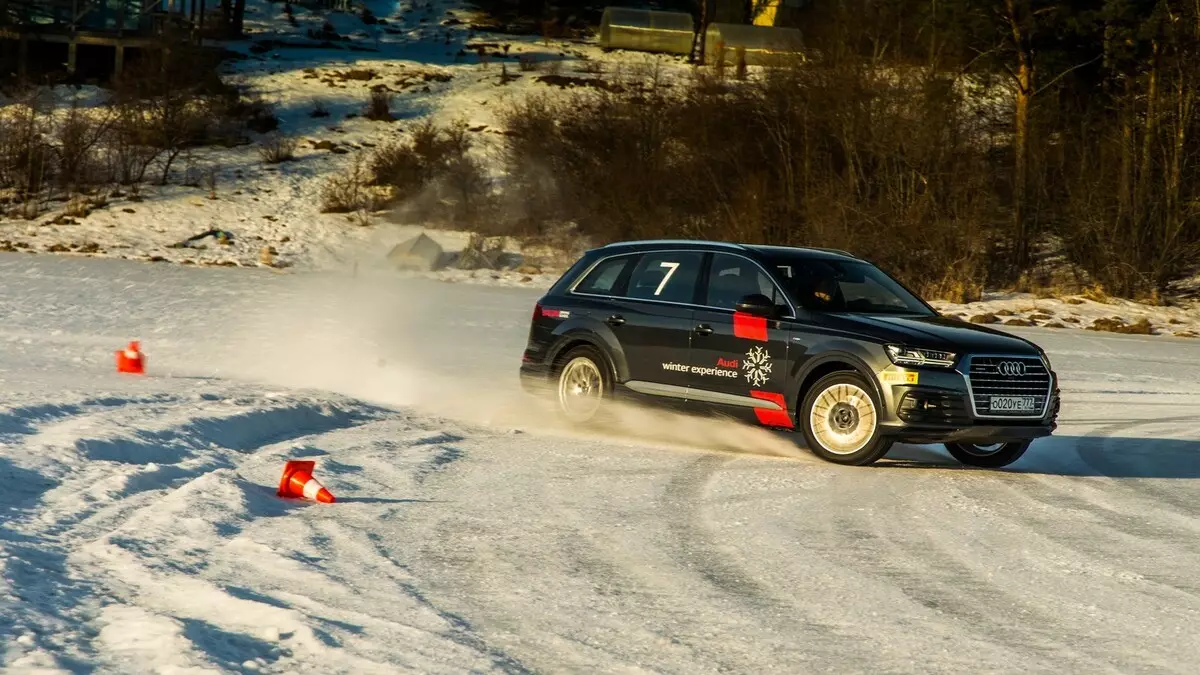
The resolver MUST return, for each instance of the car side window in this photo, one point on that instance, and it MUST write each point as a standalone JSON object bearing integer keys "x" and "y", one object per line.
{"x": 731, "y": 278}
{"x": 669, "y": 276}
{"x": 602, "y": 280}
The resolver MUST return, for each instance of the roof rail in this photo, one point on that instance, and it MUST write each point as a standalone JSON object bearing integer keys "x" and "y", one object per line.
{"x": 835, "y": 250}
{"x": 707, "y": 242}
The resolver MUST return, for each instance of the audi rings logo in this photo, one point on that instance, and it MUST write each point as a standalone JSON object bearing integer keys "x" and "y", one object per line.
{"x": 1011, "y": 368}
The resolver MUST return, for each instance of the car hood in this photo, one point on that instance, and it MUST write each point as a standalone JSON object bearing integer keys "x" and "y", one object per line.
{"x": 935, "y": 332}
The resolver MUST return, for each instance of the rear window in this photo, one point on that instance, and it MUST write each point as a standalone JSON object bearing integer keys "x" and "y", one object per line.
{"x": 603, "y": 278}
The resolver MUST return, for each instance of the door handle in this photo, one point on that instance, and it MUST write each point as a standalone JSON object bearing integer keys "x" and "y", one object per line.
{"x": 704, "y": 329}
{"x": 615, "y": 320}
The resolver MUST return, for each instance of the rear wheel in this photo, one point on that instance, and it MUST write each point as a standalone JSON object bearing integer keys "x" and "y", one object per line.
{"x": 584, "y": 385}
{"x": 988, "y": 456}
{"x": 840, "y": 420}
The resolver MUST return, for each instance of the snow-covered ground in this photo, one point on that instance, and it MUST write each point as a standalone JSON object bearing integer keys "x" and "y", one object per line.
{"x": 139, "y": 531}
{"x": 1078, "y": 311}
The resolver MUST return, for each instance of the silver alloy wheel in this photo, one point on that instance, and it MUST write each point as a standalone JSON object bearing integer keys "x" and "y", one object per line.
{"x": 980, "y": 450}
{"x": 580, "y": 388}
{"x": 843, "y": 419}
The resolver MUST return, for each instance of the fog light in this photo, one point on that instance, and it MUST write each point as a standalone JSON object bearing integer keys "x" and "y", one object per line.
{"x": 915, "y": 404}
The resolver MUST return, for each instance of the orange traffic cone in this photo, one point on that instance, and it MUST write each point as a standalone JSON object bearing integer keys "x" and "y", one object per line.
{"x": 131, "y": 359}
{"x": 298, "y": 482}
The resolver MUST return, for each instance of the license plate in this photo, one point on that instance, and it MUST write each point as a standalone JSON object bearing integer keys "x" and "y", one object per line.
{"x": 1011, "y": 404}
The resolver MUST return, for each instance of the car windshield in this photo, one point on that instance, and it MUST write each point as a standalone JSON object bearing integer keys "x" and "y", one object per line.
{"x": 832, "y": 285}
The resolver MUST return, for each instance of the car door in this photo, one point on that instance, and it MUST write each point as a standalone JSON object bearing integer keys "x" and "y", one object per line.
{"x": 740, "y": 361}
{"x": 653, "y": 321}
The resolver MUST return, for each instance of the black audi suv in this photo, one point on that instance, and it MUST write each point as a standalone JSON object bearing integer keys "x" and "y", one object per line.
{"x": 792, "y": 338}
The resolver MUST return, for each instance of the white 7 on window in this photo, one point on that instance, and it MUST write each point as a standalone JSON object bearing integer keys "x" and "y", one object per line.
{"x": 671, "y": 267}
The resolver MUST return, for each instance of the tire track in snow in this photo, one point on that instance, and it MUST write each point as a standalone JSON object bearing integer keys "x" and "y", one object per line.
{"x": 1092, "y": 449}
{"x": 919, "y": 565}
{"x": 620, "y": 579}
{"x": 692, "y": 547}
{"x": 1110, "y": 531}
{"x": 90, "y": 484}
{"x": 462, "y": 631}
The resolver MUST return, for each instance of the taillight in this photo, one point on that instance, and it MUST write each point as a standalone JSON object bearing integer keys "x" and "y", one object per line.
{"x": 537, "y": 311}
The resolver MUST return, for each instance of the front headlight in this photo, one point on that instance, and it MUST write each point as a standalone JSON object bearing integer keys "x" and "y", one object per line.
{"x": 911, "y": 356}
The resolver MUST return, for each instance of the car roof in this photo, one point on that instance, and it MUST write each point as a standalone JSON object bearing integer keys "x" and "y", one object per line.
{"x": 704, "y": 245}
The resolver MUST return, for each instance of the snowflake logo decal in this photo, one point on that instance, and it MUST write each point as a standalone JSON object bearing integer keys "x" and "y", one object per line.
{"x": 757, "y": 365}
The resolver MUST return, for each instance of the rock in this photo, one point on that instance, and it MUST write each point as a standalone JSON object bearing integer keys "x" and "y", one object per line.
{"x": 1117, "y": 325}
{"x": 1073, "y": 301}
{"x": 1071, "y": 319}
{"x": 529, "y": 269}
{"x": 1186, "y": 334}
{"x": 1175, "y": 322}
{"x": 57, "y": 248}
{"x": 1041, "y": 316}
{"x": 127, "y": 210}
{"x": 983, "y": 318}
{"x": 1005, "y": 312}
{"x": 1019, "y": 322}
{"x": 324, "y": 145}
{"x": 418, "y": 253}
{"x": 1053, "y": 324}
{"x": 526, "y": 280}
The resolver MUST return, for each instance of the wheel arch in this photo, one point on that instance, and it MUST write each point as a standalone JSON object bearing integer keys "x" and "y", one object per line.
{"x": 832, "y": 363}
{"x": 570, "y": 341}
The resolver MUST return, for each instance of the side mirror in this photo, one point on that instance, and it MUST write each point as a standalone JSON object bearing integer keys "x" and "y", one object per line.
{"x": 758, "y": 305}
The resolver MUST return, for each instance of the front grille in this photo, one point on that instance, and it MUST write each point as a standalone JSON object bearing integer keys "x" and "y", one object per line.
{"x": 1022, "y": 376}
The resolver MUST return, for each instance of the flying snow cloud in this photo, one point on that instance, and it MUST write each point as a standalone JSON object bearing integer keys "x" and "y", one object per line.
{"x": 445, "y": 349}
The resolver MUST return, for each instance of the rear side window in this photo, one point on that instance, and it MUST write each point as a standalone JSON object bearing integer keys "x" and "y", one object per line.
{"x": 603, "y": 278}
{"x": 669, "y": 276}
{"x": 731, "y": 278}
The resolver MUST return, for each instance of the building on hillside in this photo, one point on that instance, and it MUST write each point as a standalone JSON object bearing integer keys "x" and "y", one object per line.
{"x": 54, "y": 26}
{"x": 647, "y": 30}
{"x": 758, "y": 45}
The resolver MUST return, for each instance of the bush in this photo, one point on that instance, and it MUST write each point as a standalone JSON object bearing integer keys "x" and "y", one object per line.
{"x": 379, "y": 106}
{"x": 277, "y": 149}
{"x": 345, "y": 192}
{"x": 806, "y": 156}
{"x": 433, "y": 173}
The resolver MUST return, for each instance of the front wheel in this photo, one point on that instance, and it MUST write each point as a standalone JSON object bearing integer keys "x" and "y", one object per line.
{"x": 840, "y": 420}
{"x": 987, "y": 456}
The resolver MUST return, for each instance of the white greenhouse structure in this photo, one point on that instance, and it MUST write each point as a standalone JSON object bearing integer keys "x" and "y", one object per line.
{"x": 762, "y": 45}
{"x": 647, "y": 30}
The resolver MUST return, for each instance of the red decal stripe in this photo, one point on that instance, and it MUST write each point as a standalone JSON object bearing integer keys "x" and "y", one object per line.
{"x": 773, "y": 418}
{"x": 749, "y": 326}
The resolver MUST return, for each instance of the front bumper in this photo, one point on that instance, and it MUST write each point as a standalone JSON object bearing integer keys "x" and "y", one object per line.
{"x": 943, "y": 414}
{"x": 981, "y": 434}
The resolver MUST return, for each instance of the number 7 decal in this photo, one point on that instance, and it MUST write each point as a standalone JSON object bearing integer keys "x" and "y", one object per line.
{"x": 671, "y": 267}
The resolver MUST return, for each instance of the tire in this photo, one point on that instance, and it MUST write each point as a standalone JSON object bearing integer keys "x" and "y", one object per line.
{"x": 832, "y": 418}
{"x": 987, "y": 456}
{"x": 583, "y": 385}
